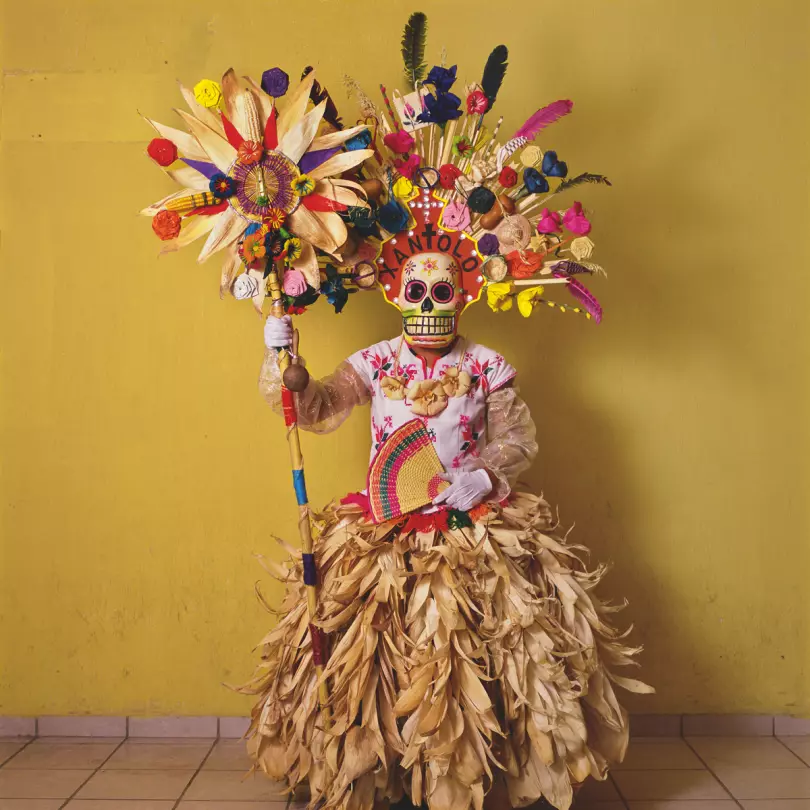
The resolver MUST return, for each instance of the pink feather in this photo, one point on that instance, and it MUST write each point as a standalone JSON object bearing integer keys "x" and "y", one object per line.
{"x": 543, "y": 117}
{"x": 583, "y": 295}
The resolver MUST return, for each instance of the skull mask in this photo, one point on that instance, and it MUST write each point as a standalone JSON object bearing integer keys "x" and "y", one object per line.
{"x": 430, "y": 300}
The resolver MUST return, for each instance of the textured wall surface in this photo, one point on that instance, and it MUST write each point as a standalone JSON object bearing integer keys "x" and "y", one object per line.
{"x": 141, "y": 471}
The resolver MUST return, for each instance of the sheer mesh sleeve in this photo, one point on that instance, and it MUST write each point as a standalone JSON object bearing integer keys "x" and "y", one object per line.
{"x": 325, "y": 404}
{"x": 511, "y": 445}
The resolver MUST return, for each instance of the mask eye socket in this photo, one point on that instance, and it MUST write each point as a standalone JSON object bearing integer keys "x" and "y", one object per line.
{"x": 442, "y": 292}
{"x": 415, "y": 291}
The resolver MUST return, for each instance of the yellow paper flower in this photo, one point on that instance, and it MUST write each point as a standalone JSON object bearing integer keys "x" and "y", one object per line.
{"x": 528, "y": 300}
{"x": 405, "y": 190}
{"x": 392, "y": 387}
{"x": 456, "y": 383}
{"x": 208, "y": 93}
{"x": 303, "y": 185}
{"x": 499, "y": 296}
{"x": 427, "y": 397}
{"x": 293, "y": 248}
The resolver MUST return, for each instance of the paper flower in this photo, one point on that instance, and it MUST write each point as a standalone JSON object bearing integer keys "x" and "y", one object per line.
{"x": 274, "y": 244}
{"x": 462, "y": 147}
{"x": 549, "y": 221}
{"x": 393, "y": 387}
{"x": 442, "y": 78}
{"x": 528, "y": 299}
{"x": 481, "y": 200}
{"x": 162, "y": 151}
{"x": 303, "y": 185}
{"x": 245, "y": 287}
{"x": 477, "y": 103}
{"x": 553, "y": 167}
{"x": 440, "y": 109}
{"x": 250, "y": 152}
{"x": 360, "y": 141}
{"x": 575, "y": 220}
{"x": 581, "y": 248}
{"x": 294, "y": 283}
{"x": 275, "y": 218}
{"x": 207, "y": 93}
{"x": 508, "y": 177}
{"x": 427, "y": 397}
{"x": 488, "y": 245}
{"x": 275, "y": 82}
{"x": 404, "y": 190}
{"x": 400, "y": 141}
{"x": 407, "y": 168}
{"x": 293, "y": 249}
{"x": 456, "y": 216}
{"x": 166, "y": 224}
{"x": 221, "y": 185}
{"x": 392, "y": 216}
{"x": 534, "y": 182}
{"x": 499, "y": 296}
{"x": 455, "y": 383}
{"x": 531, "y": 155}
{"x": 448, "y": 174}
{"x": 525, "y": 264}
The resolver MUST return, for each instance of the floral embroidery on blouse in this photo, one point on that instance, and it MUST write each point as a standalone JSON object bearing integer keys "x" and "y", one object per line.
{"x": 381, "y": 432}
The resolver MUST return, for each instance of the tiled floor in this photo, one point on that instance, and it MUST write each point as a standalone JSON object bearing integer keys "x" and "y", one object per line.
{"x": 660, "y": 773}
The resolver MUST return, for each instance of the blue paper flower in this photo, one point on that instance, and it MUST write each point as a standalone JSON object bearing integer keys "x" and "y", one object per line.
{"x": 441, "y": 78}
{"x": 360, "y": 141}
{"x": 534, "y": 181}
{"x": 336, "y": 294}
{"x": 553, "y": 167}
{"x": 440, "y": 109}
{"x": 393, "y": 217}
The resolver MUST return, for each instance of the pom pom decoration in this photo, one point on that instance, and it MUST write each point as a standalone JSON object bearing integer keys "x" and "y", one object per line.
{"x": 166, "y": 224}
{"x": 222, "y": 185}
{"x": 162, "y": 151}
{"x": 481, "y": 199}
{"x": 250, "y": 152}
{"x": 508, "y": 177}
{"x": 448, "y": 175}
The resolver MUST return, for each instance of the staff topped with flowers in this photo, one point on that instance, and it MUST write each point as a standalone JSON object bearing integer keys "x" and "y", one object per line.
{"x": 275, "y": 179}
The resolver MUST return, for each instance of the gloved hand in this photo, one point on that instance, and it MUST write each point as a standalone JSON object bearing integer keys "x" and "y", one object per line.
{"x": 467, "y": 489}
{"x": 278, "y": 332}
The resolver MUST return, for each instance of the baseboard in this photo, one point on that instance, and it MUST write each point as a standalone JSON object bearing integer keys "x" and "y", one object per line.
{"x": 641, "y": 725}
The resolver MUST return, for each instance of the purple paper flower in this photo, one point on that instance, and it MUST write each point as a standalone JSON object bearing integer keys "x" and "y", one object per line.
{"x": 275, "y": 82}
{"x": 488, "y": 245}
{"x": 441, "y": 78}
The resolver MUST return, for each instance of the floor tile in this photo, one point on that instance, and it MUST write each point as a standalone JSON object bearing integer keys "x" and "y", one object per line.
{"x": 594, "y": 791}
{"x": 765, "y": 783}
{"x": 228, "y": 755}
{"x": 799, "y": 745}
{"x": 744, "y": 752}
{"x": 655, "y": 725}
{"x": 82, "y": 726}
{"x": 727, "y": 725}
{"x": 668, "y": 785}
{"x": 195, "y": 805}
{"x": 30, "y": 804}
{"x": 118, "y": 804}
{"x": 776, "y": 804}
{"x": 234, "y": 786}
{"x": 18, "y": 726}
{"x": 80, "y": 740}
{"x": 158, "y": 756}
{"x": 580, "y": 805}
{"x": 135, "y": 784}
{"x": 788, "y": 726}
{"x": 171, "y": 740}
{"x": 40, "y": 784}
{"x": 233, "y": 727}
{"x": 700, "y": 804}
{"x": 659, "y": 753}
{"x": 62, "y": 755}
{"x": 173, "y": 726}
{"x": 10, "y": 747}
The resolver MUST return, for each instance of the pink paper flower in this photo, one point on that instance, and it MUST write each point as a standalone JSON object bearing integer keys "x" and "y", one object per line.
{"x": 399, "y": 141}
{"x": 456, "y": 215}
{"x": 575, "y": 220}
{"x": 407, "y": 168}
{"x": 549, "y": 222}
{"x": 477, "y": 103}
{"x": 294, "y": 283}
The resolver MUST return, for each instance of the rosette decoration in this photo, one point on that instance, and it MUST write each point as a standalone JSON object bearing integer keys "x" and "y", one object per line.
{"x": 263, "y": 181}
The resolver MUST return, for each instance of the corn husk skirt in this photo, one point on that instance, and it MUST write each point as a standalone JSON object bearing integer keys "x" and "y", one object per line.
{"x": 459, "y": 659}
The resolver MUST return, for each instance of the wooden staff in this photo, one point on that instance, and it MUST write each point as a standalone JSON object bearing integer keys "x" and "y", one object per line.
{"x": 300, "y": 487}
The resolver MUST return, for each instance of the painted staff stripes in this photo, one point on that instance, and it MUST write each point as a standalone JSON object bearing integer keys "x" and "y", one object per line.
{"x": 300, "y": 487}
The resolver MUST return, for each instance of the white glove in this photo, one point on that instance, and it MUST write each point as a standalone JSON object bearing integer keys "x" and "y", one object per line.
{"x": 467, "y": 489}
{"x": 278, "y": 332}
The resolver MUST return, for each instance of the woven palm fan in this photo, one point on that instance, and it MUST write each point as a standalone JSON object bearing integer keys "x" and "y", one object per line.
{"x": 405, "y": 474}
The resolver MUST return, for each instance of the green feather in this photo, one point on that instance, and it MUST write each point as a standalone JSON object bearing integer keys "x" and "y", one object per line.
{"x": 413, "y": 47}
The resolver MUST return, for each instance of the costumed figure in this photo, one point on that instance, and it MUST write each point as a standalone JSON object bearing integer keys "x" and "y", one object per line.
{"x": 440, "y": 640}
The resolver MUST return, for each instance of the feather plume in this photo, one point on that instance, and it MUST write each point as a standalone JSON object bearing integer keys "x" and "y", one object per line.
{"x": 570, "y": 268}
{"x": 494, "y": 72}
{"x": 543, "y": 117}
{"x": 318, "y": 94}
{"x": 353, "y": 89}
{"x": 584, "y": 296}
{"x": 413, "y": 48}
{"x": 580, "y": 179}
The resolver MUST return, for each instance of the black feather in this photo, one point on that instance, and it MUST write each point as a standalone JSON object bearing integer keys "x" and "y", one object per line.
{"x": 318, "y": 94}
{"x": 580, "y": 179}
{"x": 413, "y": 47}
{"x": 494, "y": 71}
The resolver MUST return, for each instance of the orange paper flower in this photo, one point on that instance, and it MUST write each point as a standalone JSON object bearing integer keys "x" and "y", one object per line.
{"x": 166, "y": 224}
{"x": 524, "y": 266}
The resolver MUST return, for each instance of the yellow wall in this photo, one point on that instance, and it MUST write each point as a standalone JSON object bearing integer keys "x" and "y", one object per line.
{"x": 141, "y": 471}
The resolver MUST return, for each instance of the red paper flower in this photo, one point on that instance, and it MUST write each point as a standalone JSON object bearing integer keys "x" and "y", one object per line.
{"x": 166, "y": 224}
{"x": 524, "y": 266}
{"x": 399, "y": 141}
{"x": 477, "y": 103}
{"x": 508, "y": 177}
{"x": 448, "y": 174}
{"x": 162, "y": 151}
{"x": 250, "y": 152}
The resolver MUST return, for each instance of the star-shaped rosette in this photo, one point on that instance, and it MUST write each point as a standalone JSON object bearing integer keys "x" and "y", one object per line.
{"x": 248, "y": 165}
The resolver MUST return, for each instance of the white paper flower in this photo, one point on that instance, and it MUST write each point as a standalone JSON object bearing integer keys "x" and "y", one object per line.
{"x": 245, "y": 287}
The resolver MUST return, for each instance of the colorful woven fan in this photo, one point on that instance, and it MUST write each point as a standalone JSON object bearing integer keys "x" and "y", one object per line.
{"x": 405, "y": 474}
